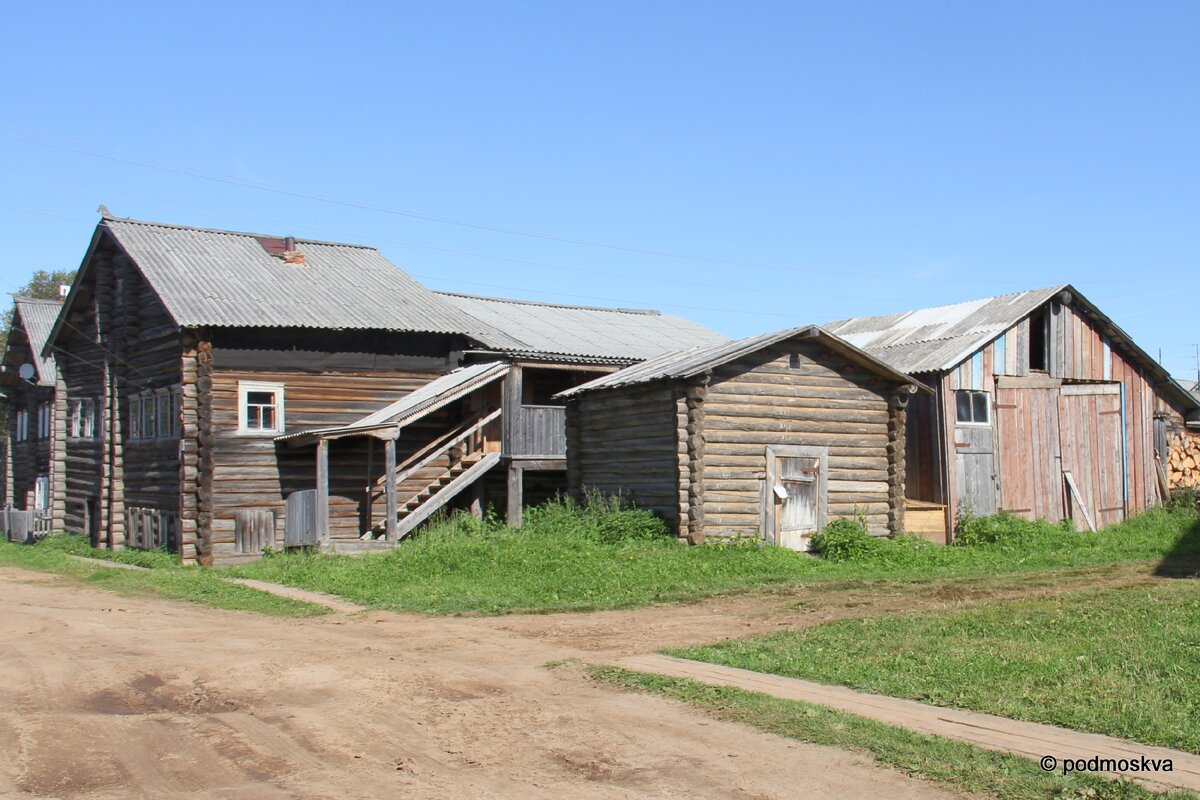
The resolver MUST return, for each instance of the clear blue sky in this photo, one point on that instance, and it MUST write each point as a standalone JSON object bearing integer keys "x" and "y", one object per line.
{"x": 751, "y": 165}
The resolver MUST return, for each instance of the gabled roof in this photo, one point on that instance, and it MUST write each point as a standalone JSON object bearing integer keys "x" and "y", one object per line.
{"x": 698, "y": 360}
{"x": 524, "y": 329}
{"x": 410, "y": 408}
{"x": 939, "y": 338}
{"x": 228, "y": 279}
{"x": 37, "y": 318}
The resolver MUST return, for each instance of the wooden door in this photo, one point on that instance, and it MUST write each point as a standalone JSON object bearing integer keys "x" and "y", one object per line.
{"x": 1090, "y": 442}
{"x": 975, "y": 467}
{"x": 796, "y": 497}
{"x": 1028, "y": 451}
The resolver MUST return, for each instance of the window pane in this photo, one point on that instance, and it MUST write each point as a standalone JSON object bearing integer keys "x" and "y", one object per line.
{"x": 963, "y": 400}
{"x": 268, "y": 418}
{"x": 260, "y": 398}
{"x": 979, "y": 401}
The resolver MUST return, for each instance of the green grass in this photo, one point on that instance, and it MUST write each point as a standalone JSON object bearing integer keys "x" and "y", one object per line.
{"x": 1121, "y": 662}
{"x": 167, "y": 580}
{"x": 955, "y": 765}
{"x": 563, "y": 560}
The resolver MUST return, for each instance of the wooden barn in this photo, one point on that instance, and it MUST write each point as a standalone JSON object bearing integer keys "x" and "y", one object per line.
{"x": 1043, "y": 407}
{"x": 771, "y": 436}
{"x": 204, "y": 351}
{"x": 33, "y": 480}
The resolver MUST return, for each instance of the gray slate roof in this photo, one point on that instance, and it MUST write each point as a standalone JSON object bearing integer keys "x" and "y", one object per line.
{"x": 37, "y": 317}
{"x": 226, "y": 278}
{"x": 522, "y": 328}
{"x": 939, "y": 338}
{"x": 698, "y": 360}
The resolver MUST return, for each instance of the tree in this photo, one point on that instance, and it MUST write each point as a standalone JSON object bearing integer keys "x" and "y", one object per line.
{"x": 42, "y": 286}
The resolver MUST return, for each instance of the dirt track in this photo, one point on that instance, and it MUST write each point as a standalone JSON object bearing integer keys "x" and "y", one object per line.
{"x": 106, "y": 696}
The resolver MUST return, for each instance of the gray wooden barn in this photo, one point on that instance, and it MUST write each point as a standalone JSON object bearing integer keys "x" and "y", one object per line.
{"x": 769, "y": 436}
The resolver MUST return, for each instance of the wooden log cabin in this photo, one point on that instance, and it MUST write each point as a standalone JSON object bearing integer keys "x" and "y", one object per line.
{"x": 771, "y": 437}
{"x": 37, "y": 421}
{"x": 1043, "y": 407}
{"x": 206, "y": 352}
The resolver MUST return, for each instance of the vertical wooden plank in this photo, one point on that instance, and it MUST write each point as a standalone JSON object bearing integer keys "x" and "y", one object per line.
{"x": 1000, "y": 354}
{"x": 322, "y": 509}
{"x": 516, "y": 495}
{"x": 389, "y": 466}
{"x": 510, "y": 404}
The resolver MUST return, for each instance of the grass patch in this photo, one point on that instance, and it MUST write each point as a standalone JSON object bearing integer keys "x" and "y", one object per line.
{"x": 1119, "y": 661}
{"x": 956, "y": 765}
{"x": 567, "y": 558}
{"x": 168, "y": 580}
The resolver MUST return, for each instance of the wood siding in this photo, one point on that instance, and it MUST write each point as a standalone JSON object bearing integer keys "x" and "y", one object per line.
{"x": 825, "y": 401}
{"x": 1078, "y": 353}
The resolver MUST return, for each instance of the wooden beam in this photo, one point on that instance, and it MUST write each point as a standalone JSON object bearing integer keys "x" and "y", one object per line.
{"x": 389, "y": 458}
{"x": 322, "y": 510}
{"x": 516, "y": 495}
{"x": 511, "y": 407}
{"x": 539, "y": 463}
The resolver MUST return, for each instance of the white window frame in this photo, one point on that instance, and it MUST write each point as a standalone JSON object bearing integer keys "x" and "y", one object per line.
{"x": 22, "y": 425}
{"x": 43, "y": 421}
{"x": 973, "y": 423}
{"x": 87, "y": 417}
{"x": 244, "y": 389}
{"x": 41, "y": 492}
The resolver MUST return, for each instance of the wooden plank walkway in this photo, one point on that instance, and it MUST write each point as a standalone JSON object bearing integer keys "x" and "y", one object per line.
{"x": 292, "y": 593}
{"x": 101, "y": 562}
{"x": 1030, "y": 739}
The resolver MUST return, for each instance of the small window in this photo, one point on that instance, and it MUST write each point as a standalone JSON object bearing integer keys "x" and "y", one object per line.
{"x": 1039, "y": 328}
{"x": 22, "y": 425}
{"x": 972, "y": 408}
{"x": 41, "y": 492}
{"x": 135, "y": 416}
{"x": 81, "y": 421}
{"x": 149, "y": 416}
{"x": 794, "y": 361}
{"x": 43, "y": 422}
{"x": 260, "y": 407}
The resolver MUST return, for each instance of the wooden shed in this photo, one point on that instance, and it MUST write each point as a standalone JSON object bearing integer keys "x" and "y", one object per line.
{"x": 770, "y": 436}
{"x": 1044, "y": 408}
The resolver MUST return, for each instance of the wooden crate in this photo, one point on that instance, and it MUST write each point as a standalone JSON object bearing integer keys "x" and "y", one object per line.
{"x": 925, "y": 520}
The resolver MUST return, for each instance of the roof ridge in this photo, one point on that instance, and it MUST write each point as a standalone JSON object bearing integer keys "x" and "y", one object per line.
{"x": 224, "y": 232}
{"x": 650, "y": 312}
{"x": 24, "y": 298}
{"x": 1055, "y": 287}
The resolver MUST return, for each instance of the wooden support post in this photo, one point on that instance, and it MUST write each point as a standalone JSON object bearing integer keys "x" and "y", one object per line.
{"x": 477, "y": 498}
{"x": 370, "y": 487}
{"x": 516, "y": 495}
{"x": 389, "y": 466}
{"x": 511, "y": 405}
{"x": 322, "y": 510}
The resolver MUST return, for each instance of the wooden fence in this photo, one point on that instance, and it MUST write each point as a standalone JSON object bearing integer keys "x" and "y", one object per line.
{"x": 24, "y": 526}
{"x": 300, "y": 520}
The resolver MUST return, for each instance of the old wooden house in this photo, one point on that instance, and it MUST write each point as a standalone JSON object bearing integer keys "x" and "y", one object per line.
{"x": 1042, "y": 407}
{"x": 771, "y": 436}
{"x": 253, "y": 391}
{"x": 36, "y": 422}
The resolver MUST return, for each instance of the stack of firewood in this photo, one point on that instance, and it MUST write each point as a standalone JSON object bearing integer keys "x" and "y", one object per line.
{"x": 1183, "y": 462}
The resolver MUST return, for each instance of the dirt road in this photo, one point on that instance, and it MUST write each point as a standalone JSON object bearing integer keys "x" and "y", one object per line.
{"x": 104, "y": 696}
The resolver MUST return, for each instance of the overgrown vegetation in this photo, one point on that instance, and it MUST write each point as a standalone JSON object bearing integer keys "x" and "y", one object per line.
{"x": 601, "y": 555}
{"x": 167, "y": 580}
{"x": 1116, "y": 661}
{"x": 955, "y": 765}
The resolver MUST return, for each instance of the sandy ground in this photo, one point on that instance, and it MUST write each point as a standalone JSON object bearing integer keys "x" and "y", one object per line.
{"x": 105, "y": 696}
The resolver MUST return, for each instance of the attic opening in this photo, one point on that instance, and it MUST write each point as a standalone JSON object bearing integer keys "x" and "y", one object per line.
{"x": 1039, "y": 338}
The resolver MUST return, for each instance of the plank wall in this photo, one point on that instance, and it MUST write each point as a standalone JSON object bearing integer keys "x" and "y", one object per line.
{"x": 825, "y": 401}
{"x": 1078, "y": 351}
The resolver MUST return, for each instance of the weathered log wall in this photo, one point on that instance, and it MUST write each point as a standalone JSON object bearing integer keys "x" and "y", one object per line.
{"x": 817, "y": 399}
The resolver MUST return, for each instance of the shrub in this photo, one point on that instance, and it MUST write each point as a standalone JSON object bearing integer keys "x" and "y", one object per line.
{"x": 845, "y": 540}
{"x": 1004, "y": 527}
{"x": 602, "y": 519}
{"x": 1185, "y": 499}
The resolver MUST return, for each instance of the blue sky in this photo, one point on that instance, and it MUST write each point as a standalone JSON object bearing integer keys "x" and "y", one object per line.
{"x": 750, "y": 165}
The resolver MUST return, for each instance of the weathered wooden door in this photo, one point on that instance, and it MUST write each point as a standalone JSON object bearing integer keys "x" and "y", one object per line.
{"x": 1090, "y": 440}
{"x": 975, "y": 466}
{"x": 796, "y": 494}
{"x": 1030, "y": 465}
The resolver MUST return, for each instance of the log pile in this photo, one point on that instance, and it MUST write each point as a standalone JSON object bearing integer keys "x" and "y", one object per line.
{"x": 1183, "y": 462}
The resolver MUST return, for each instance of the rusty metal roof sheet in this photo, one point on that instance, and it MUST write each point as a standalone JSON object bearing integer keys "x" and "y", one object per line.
{"x": 37, "y": 318}
{"x": 939, "y": 338}
{"x": 228, "y": 279}
{"x": 618, "y": 335}
{"x": 698, "y": 360}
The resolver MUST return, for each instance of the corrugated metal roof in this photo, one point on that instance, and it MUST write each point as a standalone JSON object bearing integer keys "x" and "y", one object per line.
{"x": 697, "y": 360}
{"x": 939, "y": 338}
{"x": 615, "y": 334}
{"x": 37, "y": 317}
{"x": 226, "y": 278}
{"x": 408, "y": 409}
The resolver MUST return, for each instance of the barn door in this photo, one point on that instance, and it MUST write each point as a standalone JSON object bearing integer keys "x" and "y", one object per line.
{"x": 1090, "y": 439}
{"x": 1030, "y": 464}
{"x": 796, "y": 496}
{"x": 975, "y": 466}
